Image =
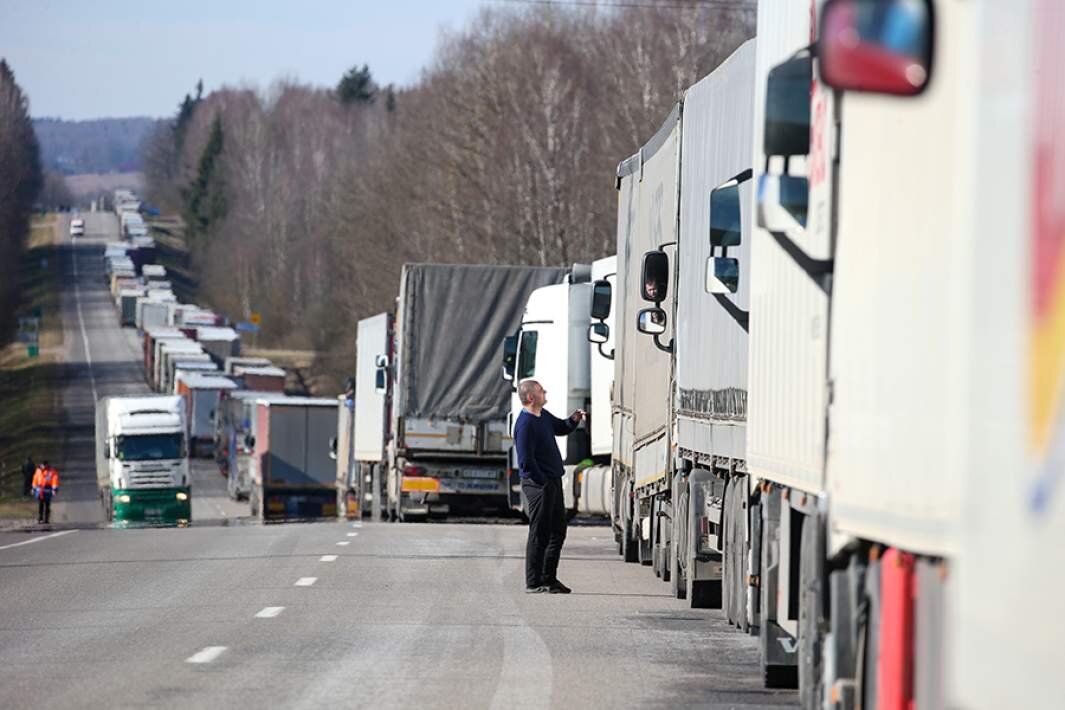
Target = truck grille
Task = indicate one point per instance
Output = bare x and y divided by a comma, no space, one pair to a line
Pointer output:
149,479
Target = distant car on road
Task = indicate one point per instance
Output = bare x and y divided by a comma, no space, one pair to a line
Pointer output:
77,228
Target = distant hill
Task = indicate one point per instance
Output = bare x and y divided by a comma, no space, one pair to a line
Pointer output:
103,145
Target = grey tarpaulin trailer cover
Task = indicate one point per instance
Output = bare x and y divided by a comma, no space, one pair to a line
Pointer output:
453,319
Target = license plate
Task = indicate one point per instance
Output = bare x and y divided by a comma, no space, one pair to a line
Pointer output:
479,473
153,512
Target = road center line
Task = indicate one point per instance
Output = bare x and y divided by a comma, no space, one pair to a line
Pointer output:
342,543
206,655
81,323
36,539
269,612
327,558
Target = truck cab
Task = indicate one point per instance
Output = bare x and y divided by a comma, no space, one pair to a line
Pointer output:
551,347
142,459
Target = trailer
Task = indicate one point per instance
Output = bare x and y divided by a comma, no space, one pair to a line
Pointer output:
234,436
203,395
449,414
263,378
293,475
220,343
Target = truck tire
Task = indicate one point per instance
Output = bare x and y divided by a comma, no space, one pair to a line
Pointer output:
677,585
666,530
655,537
629,547
811,589
701,593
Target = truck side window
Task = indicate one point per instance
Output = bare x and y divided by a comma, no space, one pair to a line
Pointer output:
725,215
527,355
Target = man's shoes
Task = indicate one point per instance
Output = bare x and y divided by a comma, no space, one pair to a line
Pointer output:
541,589
557,587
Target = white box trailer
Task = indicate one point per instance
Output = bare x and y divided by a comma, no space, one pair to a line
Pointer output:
154,272
150,313
1005,603
233,362
203,395
165,346
172,361
220,343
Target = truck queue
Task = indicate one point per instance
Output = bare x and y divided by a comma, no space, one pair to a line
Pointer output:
823,370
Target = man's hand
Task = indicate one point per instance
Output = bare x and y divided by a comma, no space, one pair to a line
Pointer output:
578,415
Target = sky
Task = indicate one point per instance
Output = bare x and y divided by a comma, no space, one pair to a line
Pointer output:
78,59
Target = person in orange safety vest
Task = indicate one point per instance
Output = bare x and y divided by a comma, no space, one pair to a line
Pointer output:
45,485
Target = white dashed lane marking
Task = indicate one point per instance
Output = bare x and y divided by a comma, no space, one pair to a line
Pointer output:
327,558
306,581
269,612
206,655
344,542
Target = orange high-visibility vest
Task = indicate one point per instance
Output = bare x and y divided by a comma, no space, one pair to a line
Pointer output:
45,478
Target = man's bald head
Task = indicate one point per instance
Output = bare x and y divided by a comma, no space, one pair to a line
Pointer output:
528,392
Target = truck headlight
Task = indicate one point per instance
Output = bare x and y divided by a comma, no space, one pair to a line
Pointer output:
122,498
181,495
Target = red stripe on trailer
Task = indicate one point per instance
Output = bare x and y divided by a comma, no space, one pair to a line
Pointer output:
895,672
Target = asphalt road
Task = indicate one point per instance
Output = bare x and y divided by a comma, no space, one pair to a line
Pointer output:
242,615
103,359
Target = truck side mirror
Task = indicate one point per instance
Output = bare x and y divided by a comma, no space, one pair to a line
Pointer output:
601,297
510,356
722,275
655,278
107,449
879,46
249,442
333,448
381,361
651,321
787,108
598,333
380,381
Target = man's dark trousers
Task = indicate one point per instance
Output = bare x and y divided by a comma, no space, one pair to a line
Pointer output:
547,530
44,508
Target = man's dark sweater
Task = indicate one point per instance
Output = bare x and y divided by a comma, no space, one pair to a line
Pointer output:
534,438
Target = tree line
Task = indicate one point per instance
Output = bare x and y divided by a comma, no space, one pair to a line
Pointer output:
20,182
303,203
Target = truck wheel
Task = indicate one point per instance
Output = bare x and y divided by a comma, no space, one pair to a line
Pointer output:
677,585
810,596
666,529
629,547
656,537
701,593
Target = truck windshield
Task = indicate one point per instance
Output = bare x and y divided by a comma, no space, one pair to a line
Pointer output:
148,447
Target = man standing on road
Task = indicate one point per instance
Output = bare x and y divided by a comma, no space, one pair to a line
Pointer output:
541,471
45,485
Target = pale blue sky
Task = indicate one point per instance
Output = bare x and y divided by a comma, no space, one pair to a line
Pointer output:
93,58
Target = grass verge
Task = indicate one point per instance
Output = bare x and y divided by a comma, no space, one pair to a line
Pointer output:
30,388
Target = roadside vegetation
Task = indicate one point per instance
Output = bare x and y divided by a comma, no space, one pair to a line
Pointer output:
30,387
302,203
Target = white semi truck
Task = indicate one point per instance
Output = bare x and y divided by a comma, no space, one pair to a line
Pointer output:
361,474
142,465
552,347
902,350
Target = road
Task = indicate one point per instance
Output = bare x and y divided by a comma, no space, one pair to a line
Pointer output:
343,614
100,359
